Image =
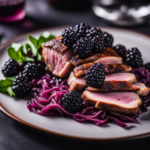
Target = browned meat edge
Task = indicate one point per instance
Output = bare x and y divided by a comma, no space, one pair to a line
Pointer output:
107,52
109,68
111,86
111,107
55,44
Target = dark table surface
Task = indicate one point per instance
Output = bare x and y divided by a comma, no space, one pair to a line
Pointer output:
14,136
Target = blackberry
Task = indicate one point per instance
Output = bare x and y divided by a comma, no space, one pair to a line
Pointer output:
133,57
147,66
83,47
72,34
31,71
69,37
10,68
108,39
21,87
80,29
120,50
95,75
97,36
72,102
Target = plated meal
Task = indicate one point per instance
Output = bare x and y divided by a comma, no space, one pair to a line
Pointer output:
79,74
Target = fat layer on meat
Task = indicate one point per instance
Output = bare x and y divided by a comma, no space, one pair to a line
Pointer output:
108,56
122,102
112,86
143,90
79,84
109,68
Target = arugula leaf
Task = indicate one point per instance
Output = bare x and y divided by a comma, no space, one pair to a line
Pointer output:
6,86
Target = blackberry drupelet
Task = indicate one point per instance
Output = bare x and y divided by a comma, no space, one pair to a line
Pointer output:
95,75
120,50
80,29
72,34
10,68
108,39
21,87
147,66
133,57
72,102
31,71
83,47
97,36
69,37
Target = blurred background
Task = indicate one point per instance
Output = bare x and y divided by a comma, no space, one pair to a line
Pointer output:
21,16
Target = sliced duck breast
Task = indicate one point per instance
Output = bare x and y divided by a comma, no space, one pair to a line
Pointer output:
122,102
110,86
129,77
79,84
108,56
56,45
143,90
109,68
76,84
57,58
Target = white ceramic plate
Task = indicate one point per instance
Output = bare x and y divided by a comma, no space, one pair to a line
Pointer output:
16,108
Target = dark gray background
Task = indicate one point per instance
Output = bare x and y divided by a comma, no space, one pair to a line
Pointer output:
14,136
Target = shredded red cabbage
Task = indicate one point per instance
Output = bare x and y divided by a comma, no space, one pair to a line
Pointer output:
48,94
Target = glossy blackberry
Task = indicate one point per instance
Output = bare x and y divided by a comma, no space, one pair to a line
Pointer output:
31,71
21,87
120,50
147,66
69,37
83,47
80,29
72,34
133,57
97,36
108,39
10,68
95,75
72,102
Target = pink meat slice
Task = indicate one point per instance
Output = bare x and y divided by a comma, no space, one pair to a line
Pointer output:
76,84
122,102
58,63
143,89
129,77
79,84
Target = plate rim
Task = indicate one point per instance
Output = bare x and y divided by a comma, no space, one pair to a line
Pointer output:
10,115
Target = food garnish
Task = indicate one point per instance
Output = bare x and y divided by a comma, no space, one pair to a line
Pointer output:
96,69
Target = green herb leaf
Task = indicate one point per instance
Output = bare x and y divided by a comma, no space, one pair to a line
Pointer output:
34,47
6,86
16,46
26,48
39,57
13,54
10,91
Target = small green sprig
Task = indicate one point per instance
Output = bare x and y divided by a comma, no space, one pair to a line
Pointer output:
19,52
6,85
